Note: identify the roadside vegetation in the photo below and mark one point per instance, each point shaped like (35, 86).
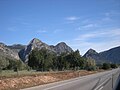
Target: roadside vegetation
(44, 61)
(45, 67)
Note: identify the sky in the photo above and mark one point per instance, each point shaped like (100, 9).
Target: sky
(82, 24)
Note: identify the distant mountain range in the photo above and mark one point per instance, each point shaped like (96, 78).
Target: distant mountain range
(111, 55)
(18, 51)
(37, 44)
(16, 47)
(6, 52)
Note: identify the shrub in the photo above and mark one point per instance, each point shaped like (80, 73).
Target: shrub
(106, 66)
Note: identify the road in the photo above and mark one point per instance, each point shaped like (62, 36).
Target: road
(100, 81)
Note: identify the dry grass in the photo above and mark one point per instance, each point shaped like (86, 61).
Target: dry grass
(28, 79)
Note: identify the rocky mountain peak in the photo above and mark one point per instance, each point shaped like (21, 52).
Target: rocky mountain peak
(34, 44)
(61, 44)
(16, 47)
(91, 51)
(35, 41)
(37, 44)
(7, 52)
(62, 47)
(2, 44)
(111, 55)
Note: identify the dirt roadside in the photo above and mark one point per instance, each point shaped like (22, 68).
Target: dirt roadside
(16, 83)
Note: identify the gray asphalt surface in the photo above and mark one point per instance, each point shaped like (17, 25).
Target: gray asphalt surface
(100, 81)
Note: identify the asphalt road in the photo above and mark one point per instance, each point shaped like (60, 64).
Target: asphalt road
(100, 81)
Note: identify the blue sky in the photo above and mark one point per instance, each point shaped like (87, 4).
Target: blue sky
(82, 24)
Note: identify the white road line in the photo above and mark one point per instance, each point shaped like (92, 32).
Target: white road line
(83, 77)
(101, 88)
(97, 88)
(65, 82)
(62, 84)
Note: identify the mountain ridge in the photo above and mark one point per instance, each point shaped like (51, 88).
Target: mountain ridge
(6, 52)
(18, 51)
(38, 44)
(112, 55)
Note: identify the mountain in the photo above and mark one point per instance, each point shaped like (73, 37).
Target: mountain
(111, 55)
(37, 44)
(91, 53)
(6, 52)
(16, 47)
(18, 51)
(61, 48)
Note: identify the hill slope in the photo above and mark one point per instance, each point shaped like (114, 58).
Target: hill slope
(7, 52)
(111, 55)
(37, 44)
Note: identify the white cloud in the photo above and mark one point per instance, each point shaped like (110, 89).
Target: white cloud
(89, 26)
(57, 30)
(41, 31)
(106, 19)
(107, 14)
(86, 36)
(13, 29)
(98, 34)
(72, 18)
(112, 13)
(110, 39)
(83, 46)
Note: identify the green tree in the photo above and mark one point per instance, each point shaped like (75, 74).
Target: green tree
(3, 63)
(114, 65)
(106, 66)
(41, 60)
(90, 64)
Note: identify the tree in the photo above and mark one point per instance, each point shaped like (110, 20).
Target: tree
(45, 60)
(106, 66)
(90, 64)
(41, 59)
(3, 63)
(114, 65)
(35, 59)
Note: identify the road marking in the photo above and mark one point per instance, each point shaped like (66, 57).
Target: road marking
(101, 88)
(74, 80)
(61, 84)
(65, 82)
(83, 77)
(101, 85)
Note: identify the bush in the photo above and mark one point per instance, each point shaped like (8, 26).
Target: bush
(91, 68)
(114, 66)
(16, 69)
(106, 66)
(0, 70)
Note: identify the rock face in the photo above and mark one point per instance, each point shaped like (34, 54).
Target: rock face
(37, 44)
(112, 55)
(7, 52)
(19, 51)
(62, 48)
(16, 47)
